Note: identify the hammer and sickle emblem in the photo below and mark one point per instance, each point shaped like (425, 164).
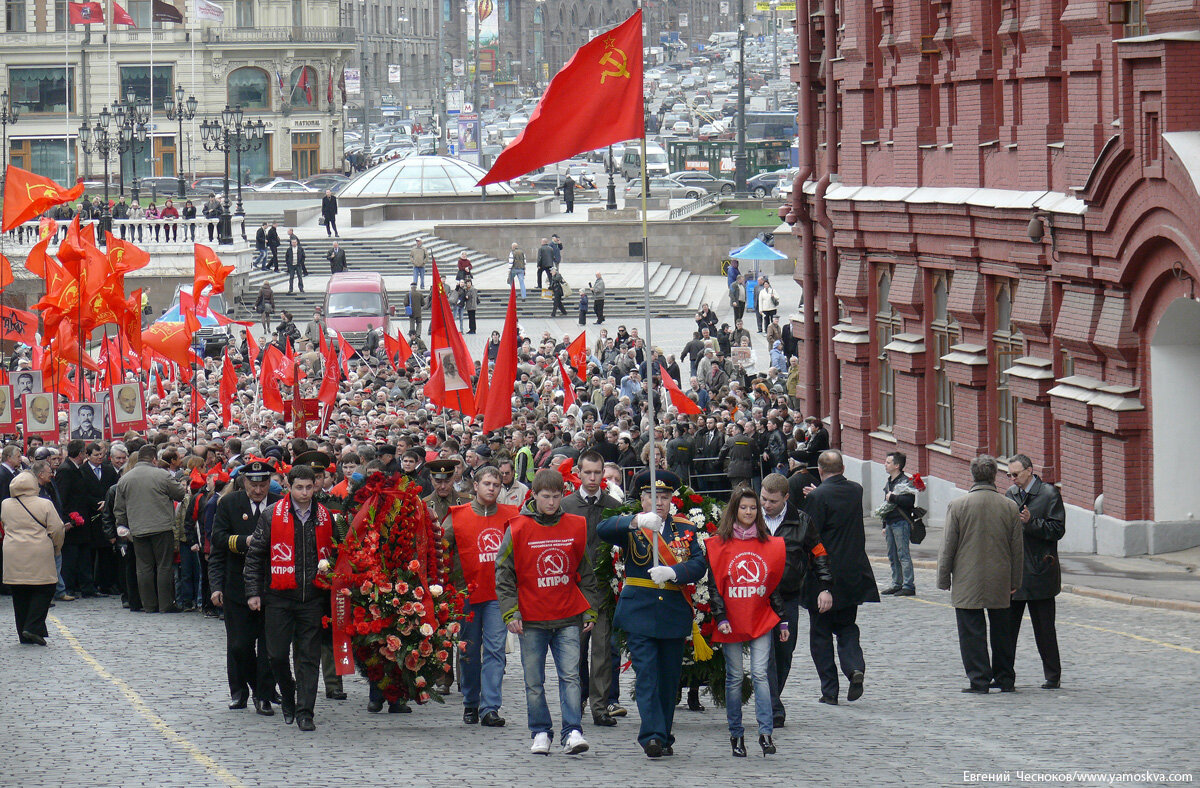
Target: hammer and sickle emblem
(747, 572)
(36, 190)
(611, 61)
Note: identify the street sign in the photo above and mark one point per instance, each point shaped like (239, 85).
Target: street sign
(454, 101)
(724, 7)
(393, 73)
(353, 81)
(784, 5)
(458, 66)
(683, 20)
(467, 108)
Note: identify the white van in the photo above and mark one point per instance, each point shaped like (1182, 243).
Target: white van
(656, 162)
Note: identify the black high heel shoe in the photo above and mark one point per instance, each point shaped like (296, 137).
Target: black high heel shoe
(768, 746)
(739, 746)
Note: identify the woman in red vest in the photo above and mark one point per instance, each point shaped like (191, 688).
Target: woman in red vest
(745, 566)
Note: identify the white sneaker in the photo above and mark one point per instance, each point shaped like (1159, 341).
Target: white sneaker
(574, 744)
(541, 744)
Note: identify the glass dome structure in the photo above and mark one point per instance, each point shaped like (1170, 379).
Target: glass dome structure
(421, 176)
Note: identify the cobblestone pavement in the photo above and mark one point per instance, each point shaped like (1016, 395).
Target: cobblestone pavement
(121, 700)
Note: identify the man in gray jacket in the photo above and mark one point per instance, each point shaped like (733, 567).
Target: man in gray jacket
(598, 298)
(982, 553)
(144, 503)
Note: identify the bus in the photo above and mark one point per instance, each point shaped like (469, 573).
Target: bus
(762, 125)
(716, 157)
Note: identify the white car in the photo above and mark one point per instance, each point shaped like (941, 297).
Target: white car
(682, 127)
(284, 185)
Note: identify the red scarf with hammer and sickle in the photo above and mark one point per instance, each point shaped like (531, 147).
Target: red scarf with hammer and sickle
(283, 542)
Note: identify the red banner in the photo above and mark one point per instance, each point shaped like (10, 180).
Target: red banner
(18, 325)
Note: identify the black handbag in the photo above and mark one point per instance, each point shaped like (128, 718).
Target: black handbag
(916, 524)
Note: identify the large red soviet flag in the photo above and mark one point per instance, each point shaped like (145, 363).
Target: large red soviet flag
(26, 195)
(595, 100)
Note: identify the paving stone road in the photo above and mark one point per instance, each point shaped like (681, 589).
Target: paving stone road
(123, 700)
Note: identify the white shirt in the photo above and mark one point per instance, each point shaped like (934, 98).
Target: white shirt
(773, 523)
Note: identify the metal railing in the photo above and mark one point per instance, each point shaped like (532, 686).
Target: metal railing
(150, 233)
(695, 206)
(258, 35)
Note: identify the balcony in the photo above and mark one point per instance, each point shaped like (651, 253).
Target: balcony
(261, 35)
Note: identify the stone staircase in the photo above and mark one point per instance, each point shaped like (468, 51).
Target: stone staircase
(674, 292)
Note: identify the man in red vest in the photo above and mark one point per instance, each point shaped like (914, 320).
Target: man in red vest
(474, 532)
(543, 583)
(293, 537)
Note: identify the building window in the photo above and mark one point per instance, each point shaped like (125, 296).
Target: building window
(244, 13)
(249, 88)
(887, 325)
(51, 158)
(298, 13)
(60, 15)
(945, 334)
(42, 89)
(303, 92)
(138, 78)
(14, 16)
(1136, 26)
(1009, 346)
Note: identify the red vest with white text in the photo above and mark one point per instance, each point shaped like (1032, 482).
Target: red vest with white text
(547, 559)
(746, 572)
(477, 540)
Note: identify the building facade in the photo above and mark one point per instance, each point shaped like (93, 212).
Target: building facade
(1010, 222)
(279, 60)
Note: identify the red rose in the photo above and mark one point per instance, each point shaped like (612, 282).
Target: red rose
(442, 656)
(695, 498)
(425, 648)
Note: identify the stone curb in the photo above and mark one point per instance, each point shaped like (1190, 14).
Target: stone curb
(1181, 605)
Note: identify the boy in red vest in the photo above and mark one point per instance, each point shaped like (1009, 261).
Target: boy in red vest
(293, 536)
(474, 532)
(543, 584)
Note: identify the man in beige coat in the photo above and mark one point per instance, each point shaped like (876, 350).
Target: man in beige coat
(145, 504)
(33, 534)
(982, 553)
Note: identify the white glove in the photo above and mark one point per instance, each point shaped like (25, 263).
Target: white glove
(648, 520)
(122, 532)
(662, 574)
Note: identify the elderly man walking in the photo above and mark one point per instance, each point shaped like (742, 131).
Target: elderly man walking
(145, 504)
(982, 555)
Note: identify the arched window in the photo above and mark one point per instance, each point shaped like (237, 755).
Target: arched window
(303, 88)
(250, 88)
(537, 15)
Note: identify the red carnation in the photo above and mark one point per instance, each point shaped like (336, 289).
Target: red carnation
(695, 498)
(918, 482)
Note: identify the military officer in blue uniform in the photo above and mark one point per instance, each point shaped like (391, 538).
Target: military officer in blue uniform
(652, 609)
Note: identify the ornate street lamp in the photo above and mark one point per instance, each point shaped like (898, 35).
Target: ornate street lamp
(232, 135)
(8, 117)
(97, 139)
(132, 117)
(179, 110)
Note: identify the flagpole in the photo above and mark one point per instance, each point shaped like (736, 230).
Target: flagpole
(649, 341)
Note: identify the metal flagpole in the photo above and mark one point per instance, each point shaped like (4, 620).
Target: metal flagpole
(67, 103)
(649, 341)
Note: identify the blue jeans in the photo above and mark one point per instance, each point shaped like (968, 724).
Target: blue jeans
(482, 665)
(419, 274)
(519, 275)
(897, 534)
(564, 645)
(187, 586)
(760, 660)
(260, 258)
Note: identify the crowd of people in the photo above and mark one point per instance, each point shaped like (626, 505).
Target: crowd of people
(186, 516)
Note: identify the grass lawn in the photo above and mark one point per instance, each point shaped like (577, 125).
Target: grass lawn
(754, 217)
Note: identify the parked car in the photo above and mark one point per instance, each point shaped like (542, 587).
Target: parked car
(208, 185)
(212, 338)
(765, 182)
(284, 185)
(663, 187)
(703, 180)
(330, 181)
(159, 188)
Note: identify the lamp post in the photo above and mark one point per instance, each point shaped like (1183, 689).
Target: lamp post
(179, 110)
(132, 117)
(739, 158)
(611, 205)
(8, 117)
(232, 135)
(775, 52)
(475, 83)
(96, 139)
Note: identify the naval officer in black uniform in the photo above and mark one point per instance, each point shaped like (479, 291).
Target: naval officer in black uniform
(246, 661)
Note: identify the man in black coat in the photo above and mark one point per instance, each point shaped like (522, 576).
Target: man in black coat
(329, 210)
(273, 245)
(818, 441)
(246, 662)
(1044, 523)
(337, 258)
(804, 553)
(545, 261)
(260, 248)
(82, 483)
(835, 508)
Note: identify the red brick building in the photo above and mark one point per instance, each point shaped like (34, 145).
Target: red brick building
(1014, 207)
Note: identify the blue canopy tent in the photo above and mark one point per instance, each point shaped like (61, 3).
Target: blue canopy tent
(756, 250)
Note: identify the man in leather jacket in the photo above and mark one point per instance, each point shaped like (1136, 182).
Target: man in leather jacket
(804, 553)
(1044, 522)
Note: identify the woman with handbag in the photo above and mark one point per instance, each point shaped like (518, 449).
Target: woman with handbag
(746, 564)
(33, 535)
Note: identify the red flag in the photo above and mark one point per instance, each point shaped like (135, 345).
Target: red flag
(498, 412)
(329, 92)
(26, 195)
(131, 321)
(577, 352)
(120, 16)
(85, 13)
(569, 397)
(268, 380)
(595, 100)
(347, 352)
(18, 325)
(251, 349)
(208, 271)
(171, 341)
(681, 401)
(481, 388)
(6, 274)
(227, 390)
(398, 350)
(38, 262)
(332, 375)
(450, 363)
(123, 255)
(304, 84)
